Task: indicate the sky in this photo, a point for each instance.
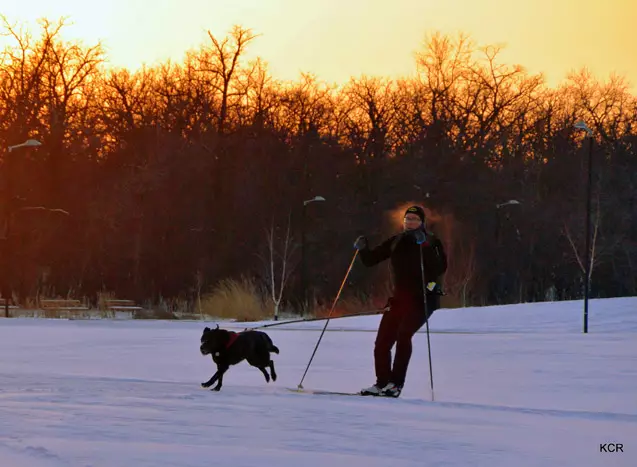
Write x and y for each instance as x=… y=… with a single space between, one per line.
x=338 y=39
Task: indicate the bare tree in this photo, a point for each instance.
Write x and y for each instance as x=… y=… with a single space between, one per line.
x=222 y=61
x=594 y=254
x=284 y=268
x=185 y=158
x=306 y=106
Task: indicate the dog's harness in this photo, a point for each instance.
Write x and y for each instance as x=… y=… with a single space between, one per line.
x=233 y=337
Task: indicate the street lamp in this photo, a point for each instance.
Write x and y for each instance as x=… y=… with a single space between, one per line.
x=27 y=143
x=581 y=125
x=507 y=203
x=4 y=241
x=498 y=237
x=5 y=250
x=303 y=265
x=316 y=198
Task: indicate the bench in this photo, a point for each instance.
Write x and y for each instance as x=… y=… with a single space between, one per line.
x=54 y=306
x=3 y=307
x=126 y=306
x=3 y=302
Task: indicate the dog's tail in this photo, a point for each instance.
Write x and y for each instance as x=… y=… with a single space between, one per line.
x=271 y=346
x=268 y=342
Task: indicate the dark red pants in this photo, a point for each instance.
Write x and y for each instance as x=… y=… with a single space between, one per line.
x=397 y=326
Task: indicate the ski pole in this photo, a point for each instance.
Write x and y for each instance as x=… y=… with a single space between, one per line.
x=328 y=317
x=424 y=296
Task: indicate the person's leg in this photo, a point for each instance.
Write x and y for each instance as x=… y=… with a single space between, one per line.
x=414 y=319
x=385 y=340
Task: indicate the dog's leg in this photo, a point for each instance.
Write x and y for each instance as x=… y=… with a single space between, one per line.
x=265 y=373
x=221 y=372
x=272 y=370
x=211 y=381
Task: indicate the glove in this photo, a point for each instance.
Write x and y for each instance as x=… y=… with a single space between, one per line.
x=434 y=288
x=360 y=243
x=419 y=235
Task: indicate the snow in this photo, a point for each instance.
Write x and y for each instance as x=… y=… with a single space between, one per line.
x=516 y=385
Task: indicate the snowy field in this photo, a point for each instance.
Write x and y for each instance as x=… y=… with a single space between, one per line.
x=514 y=386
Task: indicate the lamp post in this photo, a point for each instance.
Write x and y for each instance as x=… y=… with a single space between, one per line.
x=9 y=210
x=303 y=262
x=581 y=125
x=498 y=207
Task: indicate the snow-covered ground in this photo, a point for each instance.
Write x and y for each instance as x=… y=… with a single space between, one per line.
x=514 y=385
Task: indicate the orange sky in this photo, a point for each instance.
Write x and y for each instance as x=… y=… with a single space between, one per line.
x=336 y=39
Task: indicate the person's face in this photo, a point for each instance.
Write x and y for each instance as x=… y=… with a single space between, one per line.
x=411 y=222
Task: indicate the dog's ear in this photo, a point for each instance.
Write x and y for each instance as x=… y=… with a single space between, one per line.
x=217 y=326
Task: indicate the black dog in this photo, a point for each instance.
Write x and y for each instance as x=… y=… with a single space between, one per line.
x=229 y=348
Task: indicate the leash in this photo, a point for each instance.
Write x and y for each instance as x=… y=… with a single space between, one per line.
x=307 y=320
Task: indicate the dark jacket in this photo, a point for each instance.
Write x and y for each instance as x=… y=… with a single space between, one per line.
x=404 y=255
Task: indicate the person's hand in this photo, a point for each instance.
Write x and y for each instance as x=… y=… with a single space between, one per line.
x=360 y=243
x=419 y=235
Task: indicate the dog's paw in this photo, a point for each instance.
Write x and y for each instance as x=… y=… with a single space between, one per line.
x=205 y=385
x=216 y=388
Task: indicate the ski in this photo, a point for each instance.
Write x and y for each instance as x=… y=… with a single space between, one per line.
x=333 y=393
x=323 y=392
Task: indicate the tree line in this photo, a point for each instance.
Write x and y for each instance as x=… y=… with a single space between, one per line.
x=179 y=175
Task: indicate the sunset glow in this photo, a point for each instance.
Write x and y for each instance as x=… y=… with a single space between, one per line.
x=336 y=40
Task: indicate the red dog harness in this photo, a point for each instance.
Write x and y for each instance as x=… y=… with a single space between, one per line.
x=233 y=337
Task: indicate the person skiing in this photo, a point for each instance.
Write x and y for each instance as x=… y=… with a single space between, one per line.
x=406 y=313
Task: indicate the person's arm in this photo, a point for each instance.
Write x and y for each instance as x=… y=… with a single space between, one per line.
x=439 y=252
x=434 y=252
x=435 y=259
x=373 y=256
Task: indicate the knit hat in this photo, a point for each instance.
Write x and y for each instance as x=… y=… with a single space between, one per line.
x=420 y=212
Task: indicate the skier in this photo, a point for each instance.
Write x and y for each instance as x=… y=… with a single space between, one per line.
x=406 y=313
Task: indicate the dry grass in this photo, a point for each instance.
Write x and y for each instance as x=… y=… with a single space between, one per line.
x=102 y=297
x=240 y=300
x=237 y=299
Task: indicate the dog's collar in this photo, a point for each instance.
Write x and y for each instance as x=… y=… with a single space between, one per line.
x=233 y=337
